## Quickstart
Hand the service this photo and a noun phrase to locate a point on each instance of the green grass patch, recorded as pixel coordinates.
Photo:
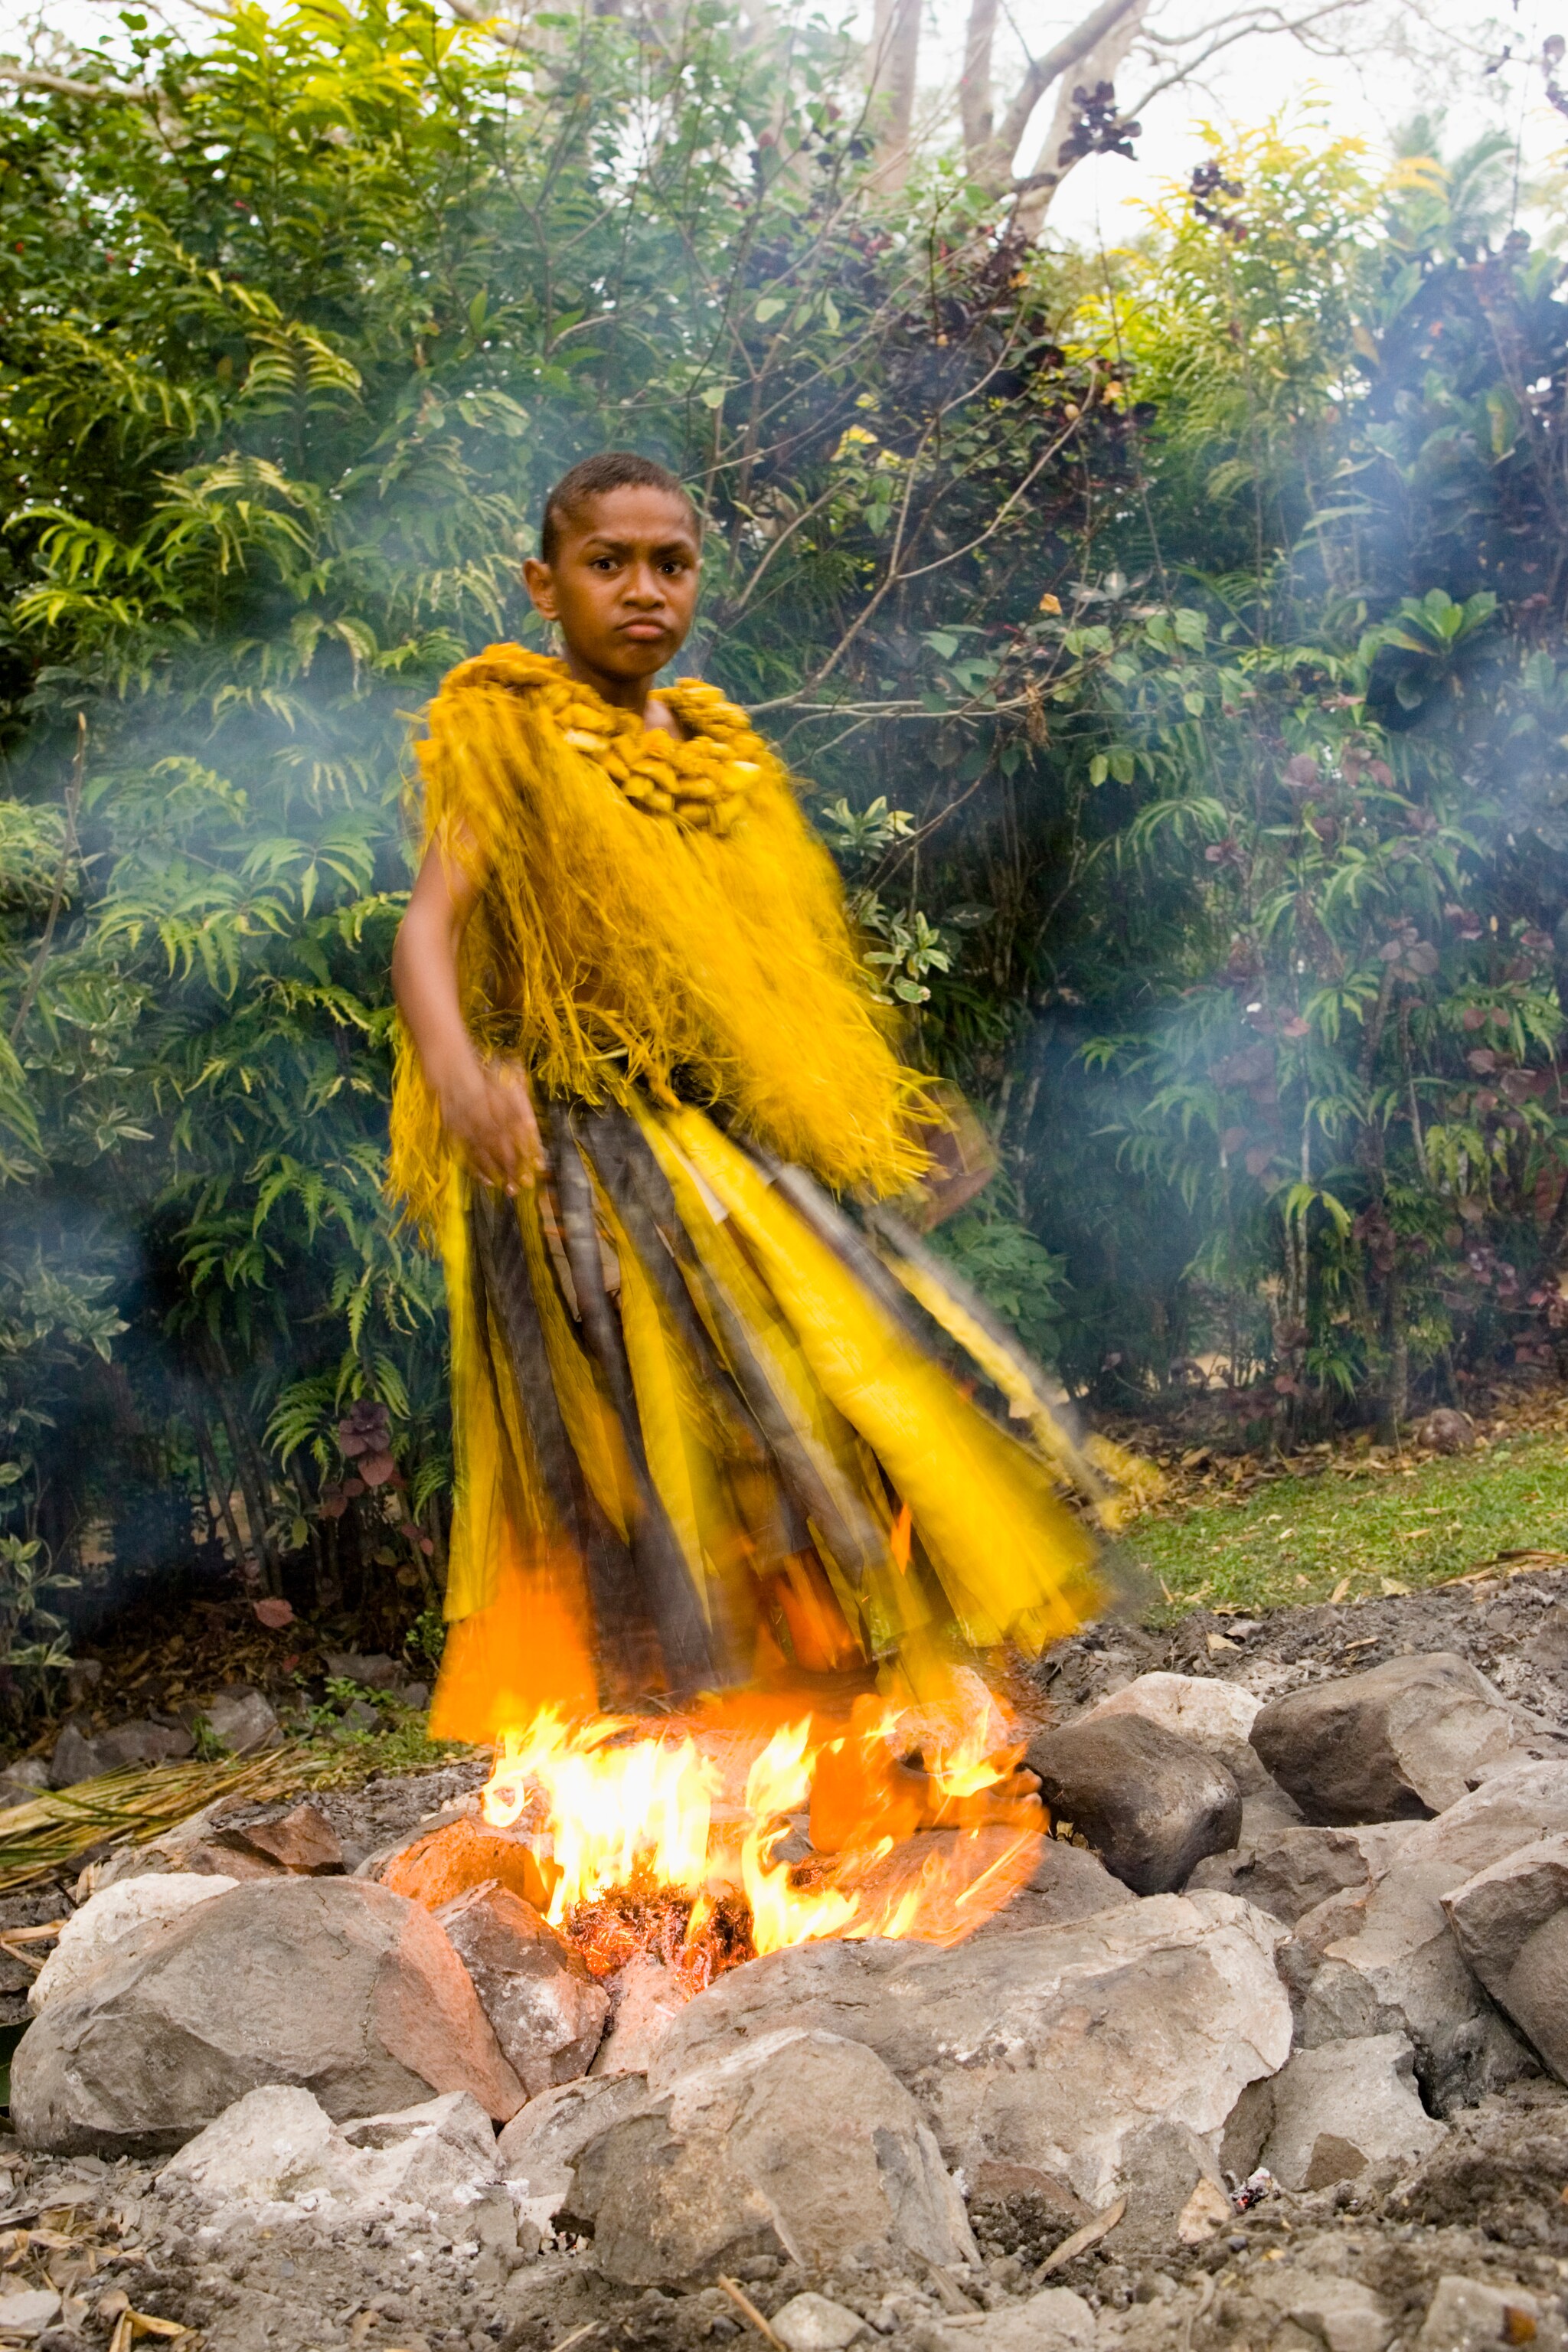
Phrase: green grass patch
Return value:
(1299, 1539)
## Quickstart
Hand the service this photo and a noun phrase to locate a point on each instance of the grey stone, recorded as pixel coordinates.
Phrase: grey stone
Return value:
(27, 2310)
(538, 2148)
(327, 1984)
(1396, 1743)
(1333, 2111)
(240, 1718)
(1469, 2315)
(75, 1758)
(105, 1921)
(799, 2144)
(1289, 1872)
(1338, 2312)
(1151, 1803)
(24, 1783)
(280, 2146)
(1512, 1925)
(360, 1716)
(1175, 2191)
(1055, 2320)
(374, 1672)
(1219, 1718)
(810, 2323)
(647, 1997)
(141, 1743)
(547, 2011)
(1384, 1959)
(297, 1838)
(1047, 2049)
(1066, 1884)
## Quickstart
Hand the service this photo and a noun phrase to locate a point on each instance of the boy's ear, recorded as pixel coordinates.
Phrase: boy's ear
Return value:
(540, 583)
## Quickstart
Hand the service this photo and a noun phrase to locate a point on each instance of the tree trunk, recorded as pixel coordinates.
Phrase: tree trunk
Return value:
(1103, 63)
(895, 61)
(974, 106)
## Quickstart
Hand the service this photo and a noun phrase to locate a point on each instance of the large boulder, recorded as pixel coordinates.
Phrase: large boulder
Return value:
(1048, 2049)
(107, 1919)
(547, 2011)
(1384, 1959)
(325, 1984)
(1151, 1803)
(1217, 1717)
(1214, 1715)
(799, 2145)
(1289, 1872)
(1399, 1742)
(1511, 1922)
(1331, 2113)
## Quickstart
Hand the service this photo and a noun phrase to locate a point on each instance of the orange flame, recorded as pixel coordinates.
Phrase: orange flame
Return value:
(697, 1812)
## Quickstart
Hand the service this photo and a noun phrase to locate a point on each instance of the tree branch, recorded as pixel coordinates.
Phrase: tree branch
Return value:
(992, 165)
(64, 86)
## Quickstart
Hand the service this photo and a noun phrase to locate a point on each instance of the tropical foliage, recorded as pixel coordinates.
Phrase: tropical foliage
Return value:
(1173, 648)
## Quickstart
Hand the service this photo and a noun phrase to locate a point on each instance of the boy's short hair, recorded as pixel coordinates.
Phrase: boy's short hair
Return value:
(612, 470)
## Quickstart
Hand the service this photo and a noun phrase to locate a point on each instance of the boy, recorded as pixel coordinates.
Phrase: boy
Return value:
(696, 1438)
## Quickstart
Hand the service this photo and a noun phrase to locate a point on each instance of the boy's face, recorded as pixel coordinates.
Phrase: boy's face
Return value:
(624, 581)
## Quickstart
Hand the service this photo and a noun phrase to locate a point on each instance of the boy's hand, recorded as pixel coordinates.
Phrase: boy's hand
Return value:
(488, 1114)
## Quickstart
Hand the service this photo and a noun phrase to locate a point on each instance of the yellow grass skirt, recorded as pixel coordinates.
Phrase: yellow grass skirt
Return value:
(705, 1434)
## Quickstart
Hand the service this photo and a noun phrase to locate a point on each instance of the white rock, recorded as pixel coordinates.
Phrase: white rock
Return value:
(1340, 2108)
(440, 2154)
(107, 1919)
(809, 2322)
(27, 2310)
(1214, 1714)
(648, 1996)
(1052, 2321)
(277, 2147)
(274, 2146)
(1466, 2314)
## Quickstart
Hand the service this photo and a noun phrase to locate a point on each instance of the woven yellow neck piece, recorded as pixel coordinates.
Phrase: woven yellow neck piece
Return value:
(701, 784)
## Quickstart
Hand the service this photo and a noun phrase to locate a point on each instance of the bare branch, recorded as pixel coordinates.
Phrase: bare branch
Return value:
(1058, 153)
(992, 165)
(65, 86)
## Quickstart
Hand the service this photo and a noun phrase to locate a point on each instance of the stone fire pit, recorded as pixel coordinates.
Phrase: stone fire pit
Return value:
(1289, 1982)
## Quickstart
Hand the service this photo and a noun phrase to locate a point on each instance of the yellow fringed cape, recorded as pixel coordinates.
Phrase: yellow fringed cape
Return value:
(698, 1438)
(654, 918)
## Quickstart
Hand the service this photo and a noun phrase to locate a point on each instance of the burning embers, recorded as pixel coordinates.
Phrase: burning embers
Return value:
(706, 1841)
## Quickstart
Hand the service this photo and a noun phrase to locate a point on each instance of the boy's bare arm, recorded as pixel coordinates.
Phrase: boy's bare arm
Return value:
(484, 1106)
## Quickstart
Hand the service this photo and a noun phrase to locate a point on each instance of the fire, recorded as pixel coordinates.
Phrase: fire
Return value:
(670, 1834)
